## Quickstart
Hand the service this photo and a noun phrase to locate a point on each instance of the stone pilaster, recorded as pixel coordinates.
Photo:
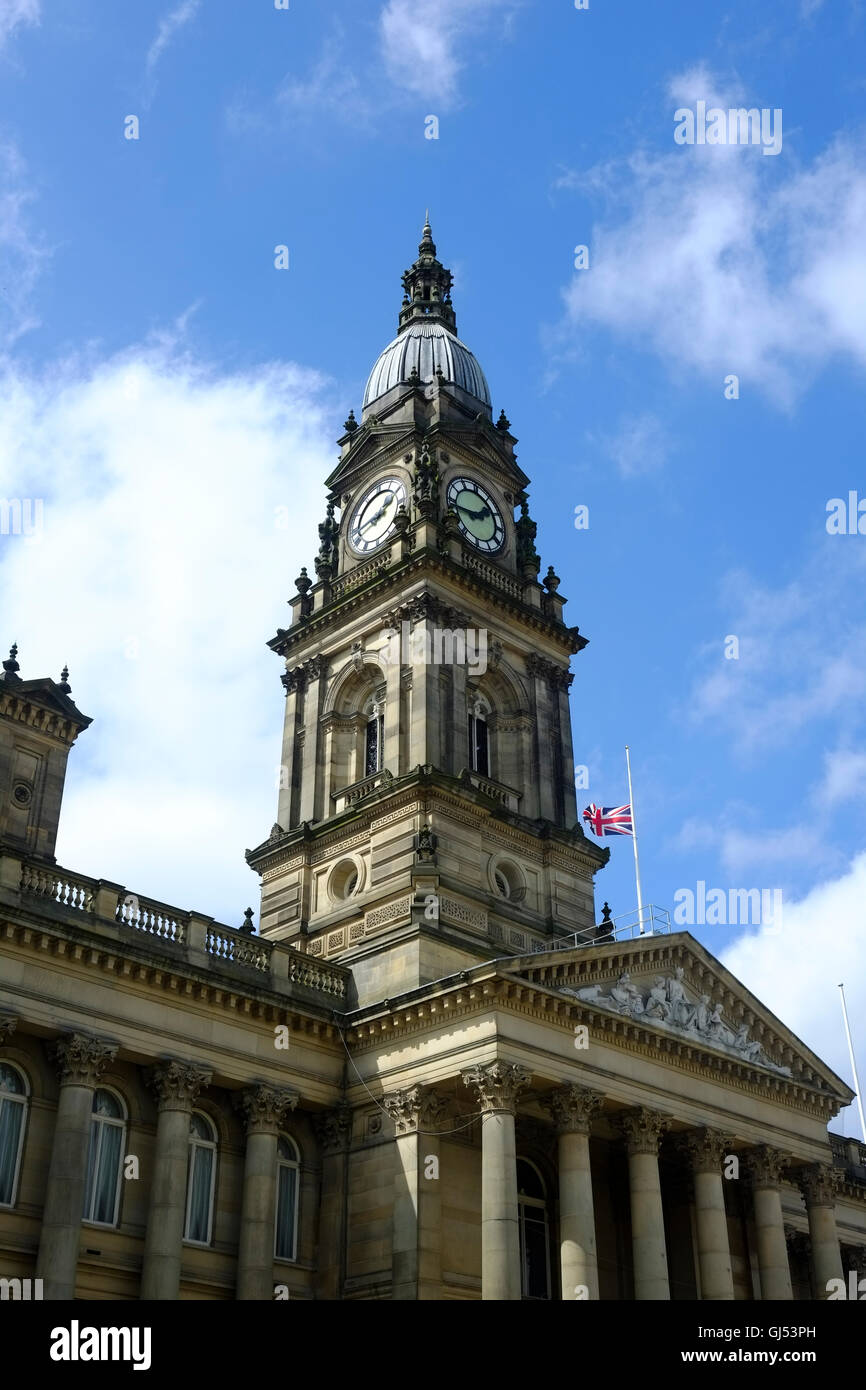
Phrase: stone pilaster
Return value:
(264, 1109)
(572, 1108)
(82, 1062)
(765, 1166)
(334, 1133)
(497, 1086)
(177, 1086)
(818, 1184)
(642, 1130)
(416, 1259)
(706, 1149)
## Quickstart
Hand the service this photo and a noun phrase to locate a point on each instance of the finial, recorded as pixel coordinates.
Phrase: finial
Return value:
(427, 244)
(64, 681)
(11, 666)
(303, 583)
(503, 423)
(351, 424)
(248, 929)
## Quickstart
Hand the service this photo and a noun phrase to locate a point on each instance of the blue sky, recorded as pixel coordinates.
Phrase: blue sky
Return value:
(164, 389)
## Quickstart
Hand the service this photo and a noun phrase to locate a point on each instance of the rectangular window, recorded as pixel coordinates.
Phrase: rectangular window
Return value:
(103, 1173)
(11, 1124)
(287, 1188)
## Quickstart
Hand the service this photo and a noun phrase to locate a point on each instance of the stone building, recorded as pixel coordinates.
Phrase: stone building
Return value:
(434, 1073)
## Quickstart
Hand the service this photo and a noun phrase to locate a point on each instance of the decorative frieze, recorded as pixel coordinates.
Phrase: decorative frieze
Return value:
(391, 912)
(177, 1084)
(81, 1060)
(572, 1108)
(497, 1085)
(264, 1108)
(459, 912)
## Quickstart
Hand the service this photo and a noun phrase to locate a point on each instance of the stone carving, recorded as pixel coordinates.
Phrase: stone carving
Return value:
(82, 1060)
(264, 1107)
(706, 1148)
(334, 1128)
(425, 845)
(667, 1004)
(819, 1185)
(8, 1024)
(497, 1085)
(414, 1109)
(177, 1084)
(765, 1165)
(572, 1108)
(642, 1129)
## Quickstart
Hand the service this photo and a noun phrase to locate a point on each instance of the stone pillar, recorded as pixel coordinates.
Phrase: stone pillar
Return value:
(642, 1130)
(334, 1132)
(177, 1085)
(765, 1166)
(81, 1061)
(818, 1186)
(416, 1260)
(312, 776)
(706, 1150)
(264, 1109)
(572, 1108)
(497, 1086)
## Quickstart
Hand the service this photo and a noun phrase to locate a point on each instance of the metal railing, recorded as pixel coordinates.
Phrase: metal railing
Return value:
(649, 920)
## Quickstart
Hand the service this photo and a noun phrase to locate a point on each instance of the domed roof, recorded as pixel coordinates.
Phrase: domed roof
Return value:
(427, 339)
(427, 347)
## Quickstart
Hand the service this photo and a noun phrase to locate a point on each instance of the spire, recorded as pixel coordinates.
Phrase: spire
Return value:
(11, 666)
(427, 286)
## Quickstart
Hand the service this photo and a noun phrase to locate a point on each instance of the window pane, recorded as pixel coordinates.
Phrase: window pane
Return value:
(104, 1103)
(200, 1127)
(107, 1169)
(10, 1080)
(11, 1120)
(201, 1166)
(286, 1149)
(535, 1254)
(481, 760)
(371, 763)
(284, 1244)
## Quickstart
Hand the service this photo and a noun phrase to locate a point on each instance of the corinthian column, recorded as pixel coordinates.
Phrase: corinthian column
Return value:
(818, 1186)
(497, 1086)
(264, 1108)
(706, 1149)
(416, 1261)
(765, 1166)
(572, 1108)
(642, 1130)
(81, 1061)
(177, 1085)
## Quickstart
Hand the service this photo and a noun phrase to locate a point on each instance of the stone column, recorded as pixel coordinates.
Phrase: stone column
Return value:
(416, 1260)
(264, 1108)
(82, 1062)
(334, 1132)
(818, 1186)
(765, 1166)
(642, 1130)
(706, 1149)
(177, 1085)
(572, 1108)
(497, 1086)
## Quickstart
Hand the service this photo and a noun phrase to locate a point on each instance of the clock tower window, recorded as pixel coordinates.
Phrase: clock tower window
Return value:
(479, 740)
(375, 738)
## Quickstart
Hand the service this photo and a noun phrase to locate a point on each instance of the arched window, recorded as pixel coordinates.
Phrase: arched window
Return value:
(201, 1174)
(13, 1112)
(375, 738)
(105, 1159)
(288, 1168)
(479, 741)
(534, 1236)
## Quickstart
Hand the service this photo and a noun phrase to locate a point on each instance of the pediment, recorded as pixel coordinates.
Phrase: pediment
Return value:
(675, 987)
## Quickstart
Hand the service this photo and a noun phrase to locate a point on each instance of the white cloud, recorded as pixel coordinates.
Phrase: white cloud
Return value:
(14, 13)
(422, 44)
(640, 445)
(159, 576)
(796, 972)
(22, 255)
(168, 27)
(844, 777)
(722, 260)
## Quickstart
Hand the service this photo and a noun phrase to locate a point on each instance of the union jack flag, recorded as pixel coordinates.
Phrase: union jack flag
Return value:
(609, 820)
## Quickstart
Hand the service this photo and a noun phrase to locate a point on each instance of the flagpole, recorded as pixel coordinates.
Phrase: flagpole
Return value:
(634, 844)
(853, 1062)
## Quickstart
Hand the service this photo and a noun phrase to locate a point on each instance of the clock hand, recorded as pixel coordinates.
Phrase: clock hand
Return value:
(380, 513)
(467, 511)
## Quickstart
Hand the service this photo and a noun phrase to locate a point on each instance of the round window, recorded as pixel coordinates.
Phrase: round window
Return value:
(22, 794)
(344, 880)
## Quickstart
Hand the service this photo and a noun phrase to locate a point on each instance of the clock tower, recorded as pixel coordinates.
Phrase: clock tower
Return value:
(427, 816)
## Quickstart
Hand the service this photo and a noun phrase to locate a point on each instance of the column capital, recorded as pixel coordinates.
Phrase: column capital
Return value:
(334, 1128)
(415, 1108)
(765, 1165)
(819, 1184)
(497, 1085)
(705, 1148)
(8, 1024)
(177, 1084)
(81, 1060)
(264, 1107)
(642, 1129)
(572, 1108)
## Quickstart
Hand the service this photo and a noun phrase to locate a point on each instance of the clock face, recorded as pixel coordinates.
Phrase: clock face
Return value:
(373, 520)
(478, 515)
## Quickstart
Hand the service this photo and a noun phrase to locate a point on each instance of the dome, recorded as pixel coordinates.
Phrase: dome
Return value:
(427, 347)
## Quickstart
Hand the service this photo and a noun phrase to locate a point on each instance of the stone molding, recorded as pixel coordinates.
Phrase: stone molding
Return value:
(414, 1109)
(81, 1060)
(497, 1085)
(264, 1108)
(642, 1129)
(177, 1084)
(572, 1108)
